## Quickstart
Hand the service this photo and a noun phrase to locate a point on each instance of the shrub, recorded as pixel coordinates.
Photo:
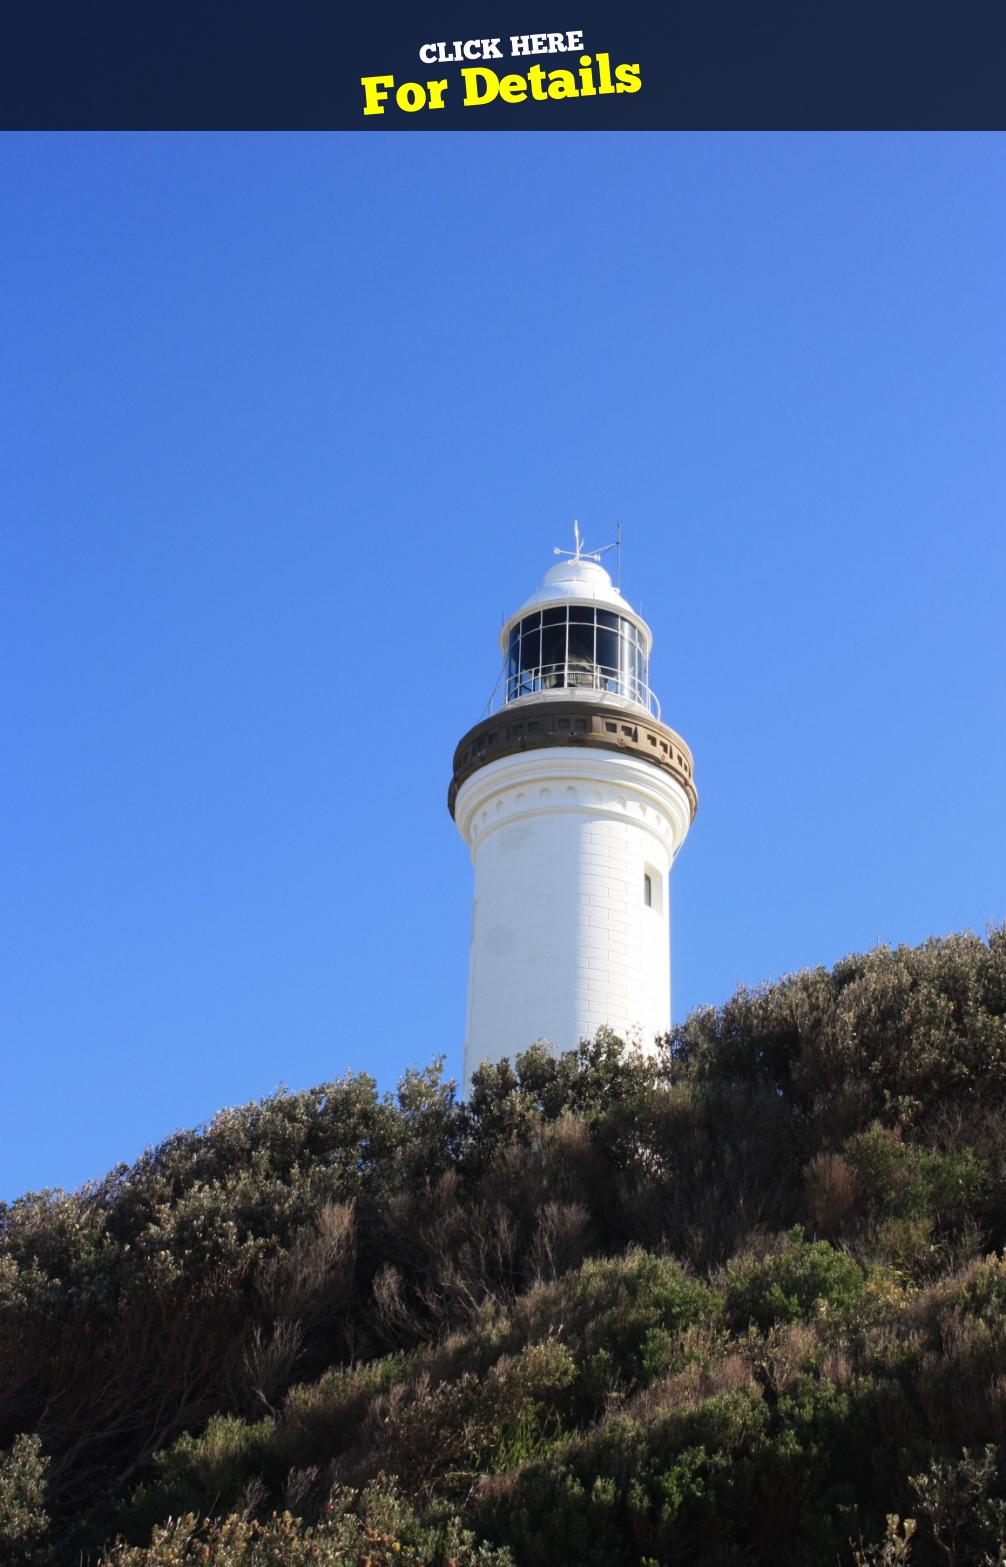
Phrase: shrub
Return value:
(906, 1180)
(373, 1529)
(446, 1433)
(322, 1419)
(832, 1189)
(634, 1309)
(23, 1520)
(967, 1522)
(201, 1474)
(791, 1284)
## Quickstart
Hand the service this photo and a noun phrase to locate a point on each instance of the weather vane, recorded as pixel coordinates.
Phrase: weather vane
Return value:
(579, 553)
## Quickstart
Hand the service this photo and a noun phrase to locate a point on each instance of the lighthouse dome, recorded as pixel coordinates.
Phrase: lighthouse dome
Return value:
(580, 581)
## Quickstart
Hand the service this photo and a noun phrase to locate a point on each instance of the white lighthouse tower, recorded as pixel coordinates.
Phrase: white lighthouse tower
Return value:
(573, 798)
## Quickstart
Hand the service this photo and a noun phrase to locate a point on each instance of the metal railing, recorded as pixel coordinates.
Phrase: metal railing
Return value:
(572, 675)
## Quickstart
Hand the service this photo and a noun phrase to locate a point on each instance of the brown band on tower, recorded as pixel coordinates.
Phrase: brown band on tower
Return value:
(574, 723)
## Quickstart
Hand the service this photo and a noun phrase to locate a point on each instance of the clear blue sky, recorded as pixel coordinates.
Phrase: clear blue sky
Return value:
(290, 420)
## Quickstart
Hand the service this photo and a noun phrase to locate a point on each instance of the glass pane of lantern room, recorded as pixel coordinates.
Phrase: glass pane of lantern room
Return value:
(607, 655)
(637, 673)
(530, 649)
(512, 664)
(580, 668)
(581, 647)
(553, 653)
(626, 662)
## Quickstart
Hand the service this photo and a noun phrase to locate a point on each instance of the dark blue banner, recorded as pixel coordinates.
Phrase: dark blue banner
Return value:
(309, 64)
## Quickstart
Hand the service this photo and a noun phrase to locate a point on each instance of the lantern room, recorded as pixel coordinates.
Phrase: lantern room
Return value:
(576, 634)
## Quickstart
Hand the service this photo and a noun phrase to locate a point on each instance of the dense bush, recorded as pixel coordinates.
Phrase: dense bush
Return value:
(738, 1302)
(790, 1283)
(375, 1529)
(23, 1520)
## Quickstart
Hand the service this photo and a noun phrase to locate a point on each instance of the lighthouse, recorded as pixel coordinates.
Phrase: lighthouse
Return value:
(573, 797)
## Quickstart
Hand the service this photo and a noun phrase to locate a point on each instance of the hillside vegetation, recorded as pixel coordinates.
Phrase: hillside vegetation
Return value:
(746, 1303)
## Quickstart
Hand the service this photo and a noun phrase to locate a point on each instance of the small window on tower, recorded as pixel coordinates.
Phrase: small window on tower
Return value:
(648, 891)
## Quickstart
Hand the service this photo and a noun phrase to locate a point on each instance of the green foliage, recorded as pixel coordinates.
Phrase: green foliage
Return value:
(450, 1432)
(733, 1476)
(633, 1311)
(800, 1279)
(201, 1474)
(968, 1523)
(375, 1529)
(24, 1523)
(892, 1032)
(899, 1179)
(895, 1547)
(963, 1523)
(322, 1418)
